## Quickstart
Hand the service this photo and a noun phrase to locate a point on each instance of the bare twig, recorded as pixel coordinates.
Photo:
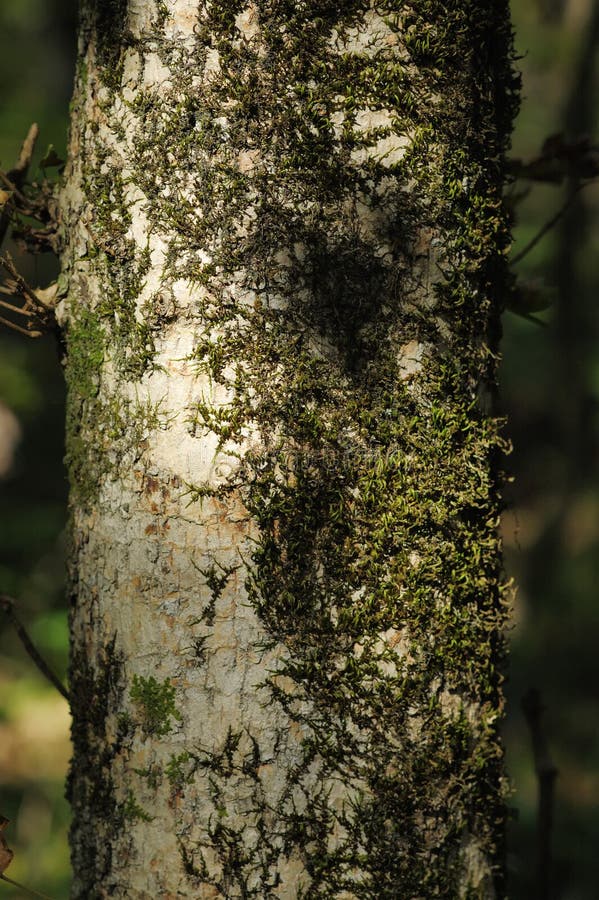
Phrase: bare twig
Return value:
(551, 223)
(23, 201)
(7, 605)
(35, 309)
(15, 179)
(25, 331)
(14, 204)
(19, 173)
(532, 318)
(546, 775)
(22, 887)
(19, 282)
(15, 309)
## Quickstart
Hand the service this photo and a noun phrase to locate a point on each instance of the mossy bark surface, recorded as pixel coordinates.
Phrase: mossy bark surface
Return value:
(285, 256)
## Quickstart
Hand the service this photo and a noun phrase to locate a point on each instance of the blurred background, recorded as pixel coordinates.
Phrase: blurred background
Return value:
(550, 396)
(37, 48)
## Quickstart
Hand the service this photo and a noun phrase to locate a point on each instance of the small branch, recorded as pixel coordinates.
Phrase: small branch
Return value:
(15, 179)
(20, 310)
(7, 605)
(546, 775)
(20, 283)
(25, 331)
(38, 311)
(23, 201)
(22, 887)
(551, 223)
(19, 173)
(531, 318)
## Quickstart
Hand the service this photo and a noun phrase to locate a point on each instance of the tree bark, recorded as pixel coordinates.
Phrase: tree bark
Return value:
(284, 256)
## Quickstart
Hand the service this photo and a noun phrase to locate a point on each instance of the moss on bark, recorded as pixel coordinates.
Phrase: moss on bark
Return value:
(329, 176)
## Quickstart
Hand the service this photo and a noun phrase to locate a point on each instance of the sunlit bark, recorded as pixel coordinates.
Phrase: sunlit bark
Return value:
(284, 254)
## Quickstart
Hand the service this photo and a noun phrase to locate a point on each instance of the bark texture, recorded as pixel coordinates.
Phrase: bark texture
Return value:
(284, 257)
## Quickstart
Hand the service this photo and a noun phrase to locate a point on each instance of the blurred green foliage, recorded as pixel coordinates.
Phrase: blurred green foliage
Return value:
(36, 65)
(550, 390)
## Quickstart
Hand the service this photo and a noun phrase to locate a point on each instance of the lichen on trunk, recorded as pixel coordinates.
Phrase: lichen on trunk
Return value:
(285, 248)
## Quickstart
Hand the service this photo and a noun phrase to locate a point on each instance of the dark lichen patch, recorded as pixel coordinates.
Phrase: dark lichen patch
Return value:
(104, 184)
(95, 692)
(155, 704)
(121, 267)
(109, 21)
(238, 759)
(162, 13)
(85, 340)
(216, 577)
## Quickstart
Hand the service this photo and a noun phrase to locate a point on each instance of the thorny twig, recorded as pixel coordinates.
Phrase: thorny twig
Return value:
(7, 605)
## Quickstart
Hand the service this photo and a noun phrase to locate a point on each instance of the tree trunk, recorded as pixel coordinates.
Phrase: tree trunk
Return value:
(284, 254)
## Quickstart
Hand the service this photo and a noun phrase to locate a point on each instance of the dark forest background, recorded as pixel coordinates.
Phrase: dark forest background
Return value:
(550, 396)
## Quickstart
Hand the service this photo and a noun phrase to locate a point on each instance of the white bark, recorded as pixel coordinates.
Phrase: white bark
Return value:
(269, 467)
